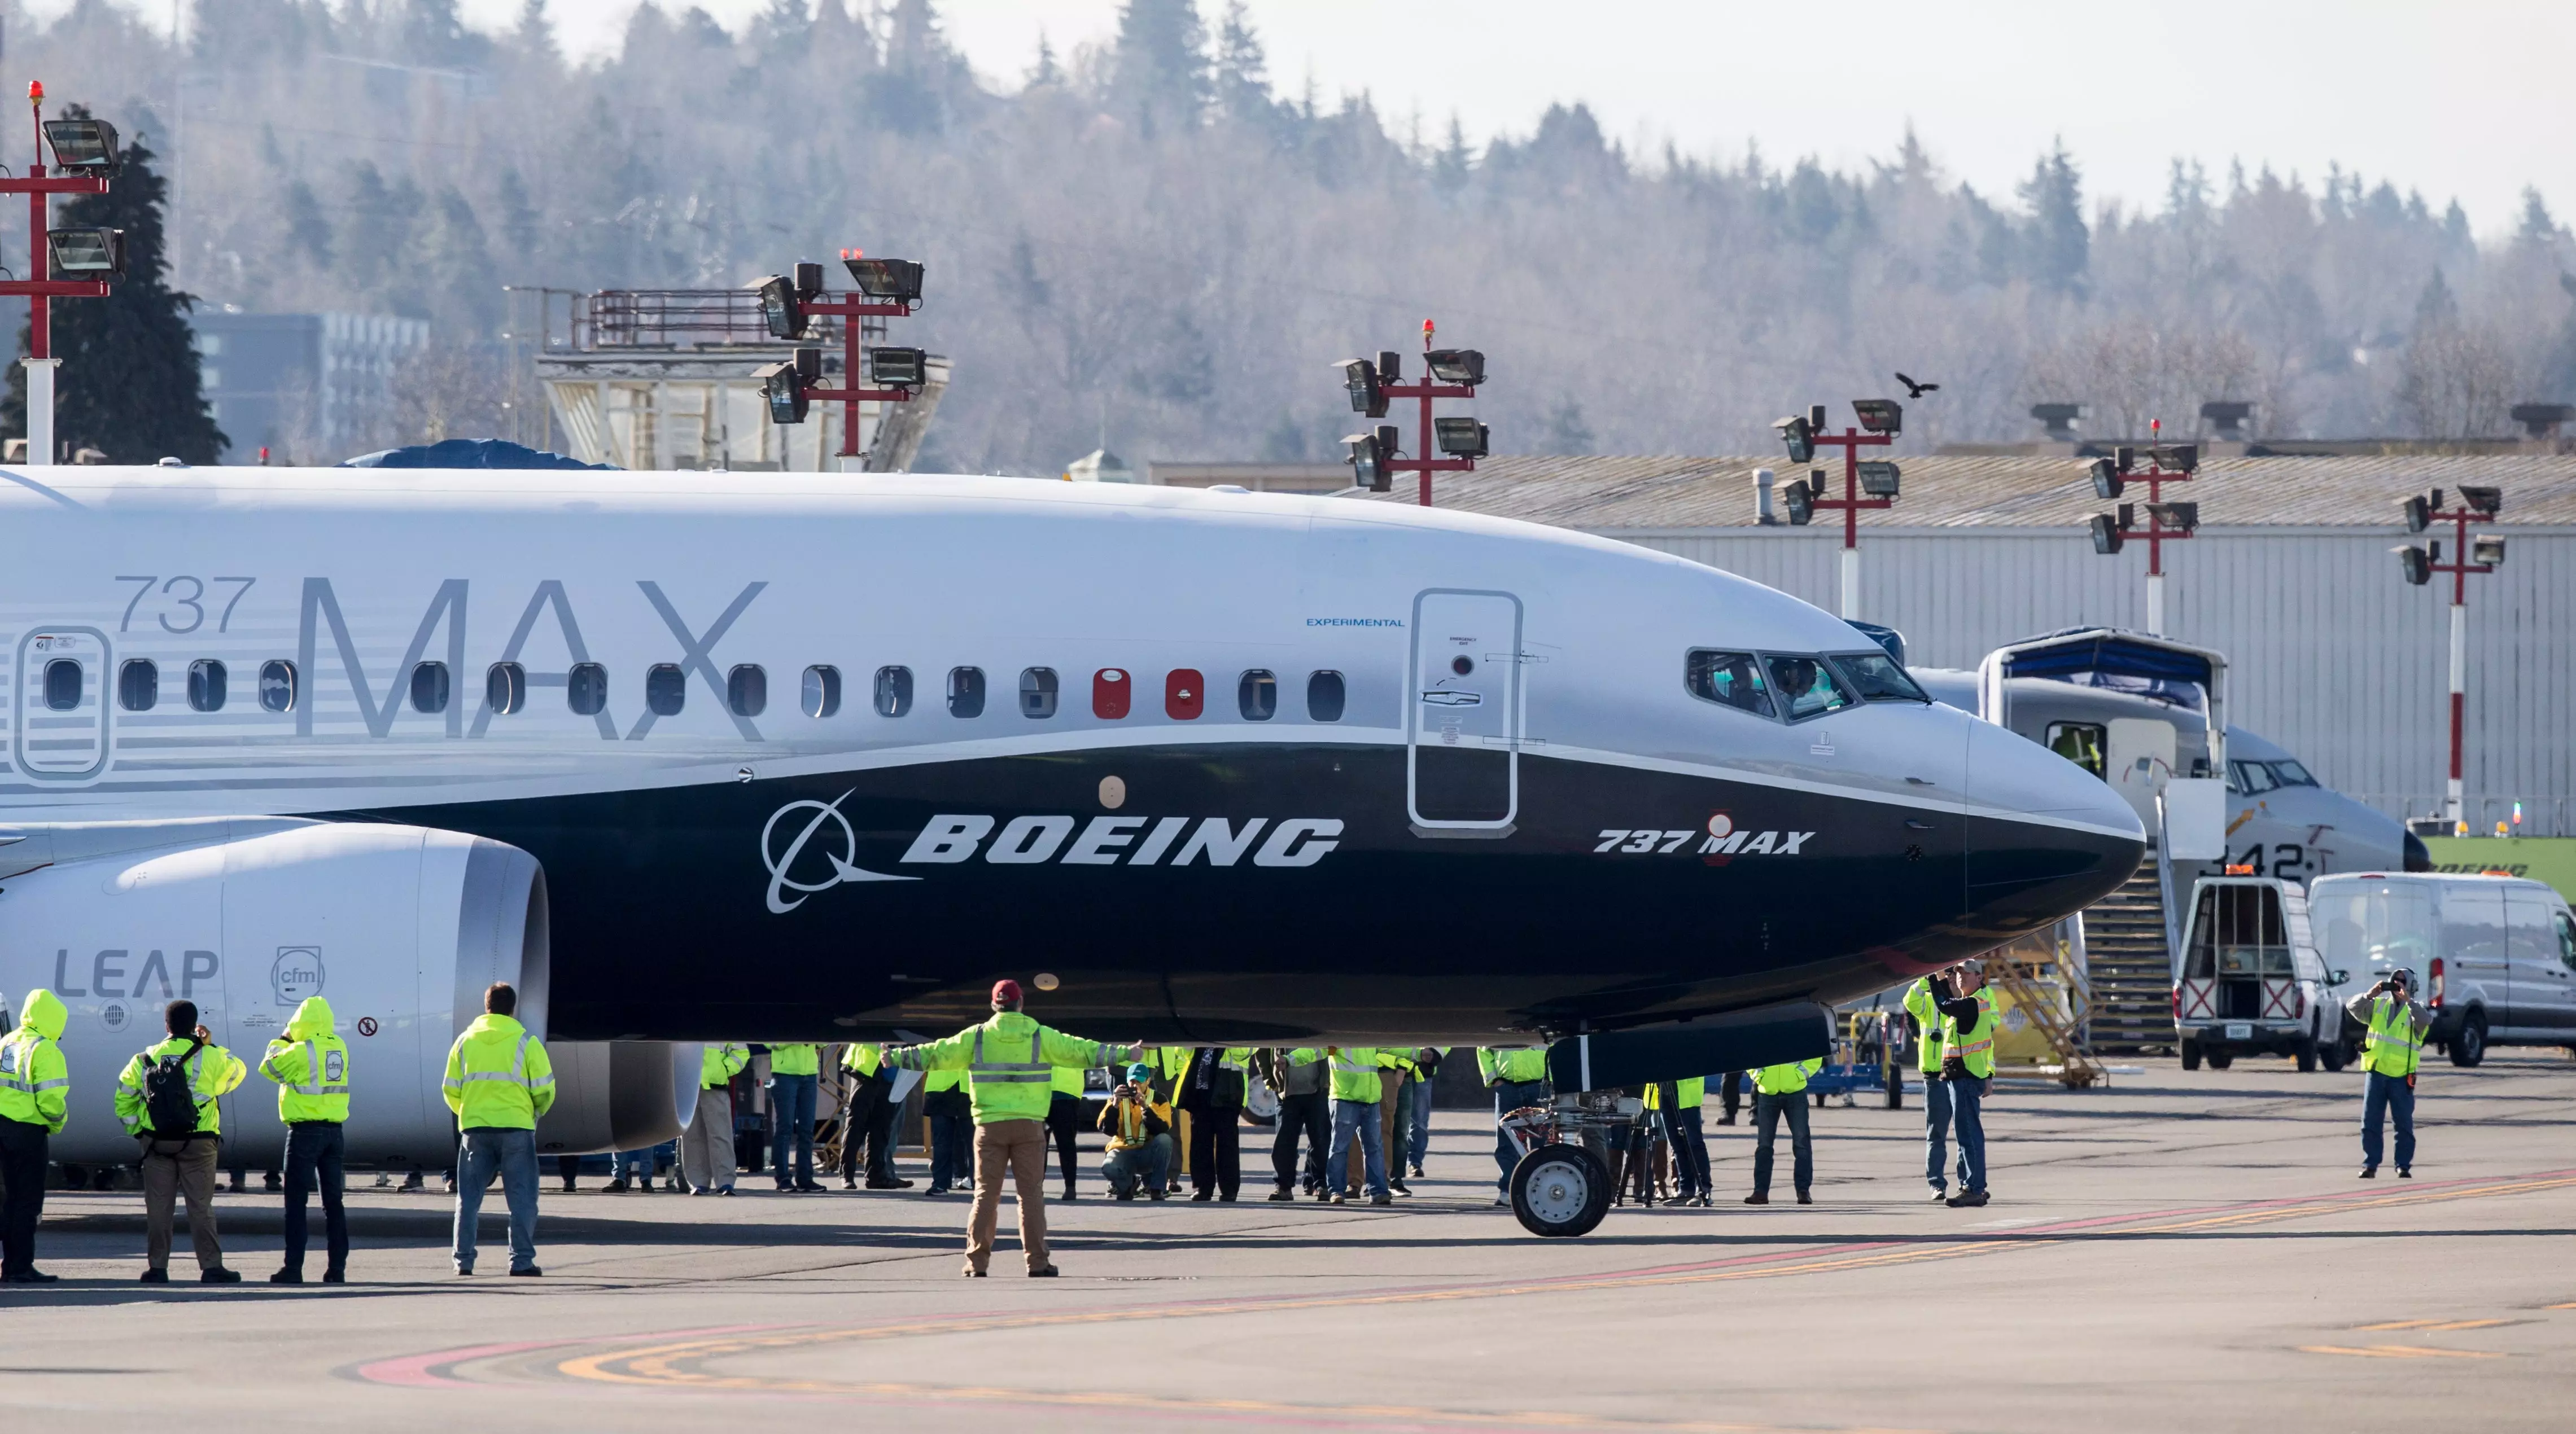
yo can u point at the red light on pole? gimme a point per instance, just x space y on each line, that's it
1448 373
1881 419
40 288
2477 505
886 288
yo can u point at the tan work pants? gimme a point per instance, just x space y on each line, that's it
1014 1149
706 1147
171 1169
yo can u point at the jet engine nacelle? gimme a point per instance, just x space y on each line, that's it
401 928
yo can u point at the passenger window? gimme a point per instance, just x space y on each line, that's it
822 696
138 685
1729 679
2566 940
1184 694
2080 743
1110 693
1324 697
505 688
1807 687
965 692
586 689
429 687
666 689
747 690
894 691
206 685
1037 692
1877 677
277 685
63 684
1256 696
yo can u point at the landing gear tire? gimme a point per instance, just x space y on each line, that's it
1560 1191
2221 1060
1896 1087
2191 1055
2334 1055
2306 1053
2470 1046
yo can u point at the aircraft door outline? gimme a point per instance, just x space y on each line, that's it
69 745
1464 713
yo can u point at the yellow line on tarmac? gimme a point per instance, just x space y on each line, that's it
2432 1324
2397 1351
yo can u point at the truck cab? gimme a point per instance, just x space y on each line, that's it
2250 980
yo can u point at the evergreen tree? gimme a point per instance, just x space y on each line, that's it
1160 68
1242 71
129 385
2060 246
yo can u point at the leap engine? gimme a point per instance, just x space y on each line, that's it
400 927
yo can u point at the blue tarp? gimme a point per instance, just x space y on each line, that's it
2112 655
468 453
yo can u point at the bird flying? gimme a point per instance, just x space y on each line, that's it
1916 390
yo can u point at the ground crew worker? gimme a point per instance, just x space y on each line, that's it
499 1081
1518 1077
1395 1114
1923 1017
1684 1127
1212 1091
951 1138
1417 1145
1357 1090
706 1147
181 1134
1302 1079
2398 1027
1730 1096
1967 1065
1777 1091
871 1113
1140 1136
1010 1063
793 1067
310 1064
1170 1064
1064 1121
35 1086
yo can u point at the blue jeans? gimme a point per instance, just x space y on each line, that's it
1767 1111
1509 1096
512 1154
313 1165
2393 1095
1936 1133
643 1162
1421 1124
1131 1172
791 1116
1349 1116
1968 1123
952 1151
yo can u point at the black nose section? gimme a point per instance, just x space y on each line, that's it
2045 837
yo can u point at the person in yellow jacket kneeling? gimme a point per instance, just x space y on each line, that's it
499 1082
1778 1091
310 1064
166 1097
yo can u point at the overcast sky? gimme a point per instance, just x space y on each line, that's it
2472 99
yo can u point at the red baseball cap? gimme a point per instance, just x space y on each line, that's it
1006 993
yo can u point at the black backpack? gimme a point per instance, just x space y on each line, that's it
169 1097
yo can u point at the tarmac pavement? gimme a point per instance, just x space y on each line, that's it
2177 1250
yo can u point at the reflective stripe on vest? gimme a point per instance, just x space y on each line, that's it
1034 1071
18 1064
2387 1021
517 1074
1976 1045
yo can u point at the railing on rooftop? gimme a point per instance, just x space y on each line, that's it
570 321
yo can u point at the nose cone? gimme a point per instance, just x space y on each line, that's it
2045 837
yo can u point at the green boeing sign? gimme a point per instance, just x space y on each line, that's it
2549 859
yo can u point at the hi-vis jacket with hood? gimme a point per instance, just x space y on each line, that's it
498 1076
310 1064
33 1079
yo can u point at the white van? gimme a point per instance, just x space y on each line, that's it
2495 956
2251 981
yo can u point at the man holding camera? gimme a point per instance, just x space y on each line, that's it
2398 1025
1140 1137
1967 1064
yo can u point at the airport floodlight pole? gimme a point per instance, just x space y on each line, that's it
1865 485
1448 373
2479 555
885 288
2166 522
86 153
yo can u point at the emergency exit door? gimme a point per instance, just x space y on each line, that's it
1463 714
58 703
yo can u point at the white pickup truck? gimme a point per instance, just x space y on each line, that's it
2250 980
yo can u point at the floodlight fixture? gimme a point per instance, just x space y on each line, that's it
898 367
2486 552
809 279
84 146
1800 435
1879 480
1460 437
2107 482
1368 394
896 279
1369 456
2126 457
780 307
1802 504
2128 516
2182 517
1390 366
1464 367
2106 534
2178 458
783 389
2486 502
2417 566
97 254
1880 415
2419 513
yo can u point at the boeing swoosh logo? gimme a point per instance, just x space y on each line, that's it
782 862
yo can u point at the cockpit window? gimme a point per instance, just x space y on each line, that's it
1729 679
2291 774
1876 677
2250 778
1807 687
